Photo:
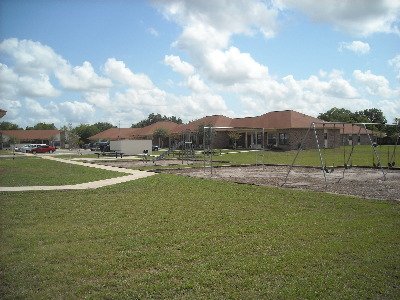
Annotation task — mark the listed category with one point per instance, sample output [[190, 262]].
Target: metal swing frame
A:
[[392, 159], [322, 159]]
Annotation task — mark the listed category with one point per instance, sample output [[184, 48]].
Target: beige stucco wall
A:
[[131, 147]]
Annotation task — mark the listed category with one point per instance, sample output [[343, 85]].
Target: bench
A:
[[112, 153]]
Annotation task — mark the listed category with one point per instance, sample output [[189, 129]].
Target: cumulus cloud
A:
[[232, 66], [361, 17], [34, 64], [31, 57], [376, 85], [36, 109], [395, 63], [37, 87], [227, 16], [179, 66], [357, 47], [117, 71], [207, 28], [76, 111], [81, 78], [390, 108], [197, 85]]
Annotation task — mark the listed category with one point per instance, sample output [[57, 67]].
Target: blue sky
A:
[[117, 61]]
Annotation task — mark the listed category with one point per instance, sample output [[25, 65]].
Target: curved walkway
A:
[[133, 174]]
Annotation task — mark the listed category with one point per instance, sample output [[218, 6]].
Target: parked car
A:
[[28, 148], [155, 148], [43, 149], [100, 146]]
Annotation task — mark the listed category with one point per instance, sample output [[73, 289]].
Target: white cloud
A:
[[179, 66], [207, 30], [35, 64], [36, 109], [376, 85], [197, 85], [117, 71], [8, 80], [152, 31], [81, 78], [395, 63], [37, 87], [31, 57], [357, 47], [390, 108], [12, 85], [362, 17], [225, 15], [232, 66], [76, 111]]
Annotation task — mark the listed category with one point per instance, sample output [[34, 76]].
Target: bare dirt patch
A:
[[361, 182]]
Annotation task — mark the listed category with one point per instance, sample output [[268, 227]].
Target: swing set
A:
[[347, 158]]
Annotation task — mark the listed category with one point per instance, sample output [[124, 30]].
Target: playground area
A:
[[365, 182], [362, 182]]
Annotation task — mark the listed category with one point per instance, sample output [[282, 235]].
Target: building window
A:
[[271, 139], [283, 139]]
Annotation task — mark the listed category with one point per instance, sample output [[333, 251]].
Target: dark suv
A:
[[100, 146]]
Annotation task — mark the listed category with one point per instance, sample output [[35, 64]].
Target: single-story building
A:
[[278, 129], [21, 137], [144, 133]]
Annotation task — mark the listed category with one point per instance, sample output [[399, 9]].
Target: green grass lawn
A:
[[176, 237], [362, 156], [27, 171]]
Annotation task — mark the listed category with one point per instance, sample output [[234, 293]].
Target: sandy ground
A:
[[361, 182]]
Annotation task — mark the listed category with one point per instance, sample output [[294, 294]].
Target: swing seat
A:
[[326, 170], [346, 166]]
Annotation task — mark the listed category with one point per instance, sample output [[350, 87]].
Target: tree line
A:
[[82, 132], [372, 115]]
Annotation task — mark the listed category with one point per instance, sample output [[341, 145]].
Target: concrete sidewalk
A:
[[133, 174]]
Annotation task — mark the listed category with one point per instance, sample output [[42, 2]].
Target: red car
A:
[[43, 149]]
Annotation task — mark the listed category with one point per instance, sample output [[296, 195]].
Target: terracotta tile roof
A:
[[133, 133], [274, 120], [149, 130], [216, 120], [115, 134], [27, 135]]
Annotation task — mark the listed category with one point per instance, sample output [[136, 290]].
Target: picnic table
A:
[[110, 153]]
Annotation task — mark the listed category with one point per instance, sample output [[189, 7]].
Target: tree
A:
[[154, 118], [71, 138], [161, 134], [102, 126], [373, 115], [337, 115], [9, 126], [42, 126], [234, 136], [84, 131]]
